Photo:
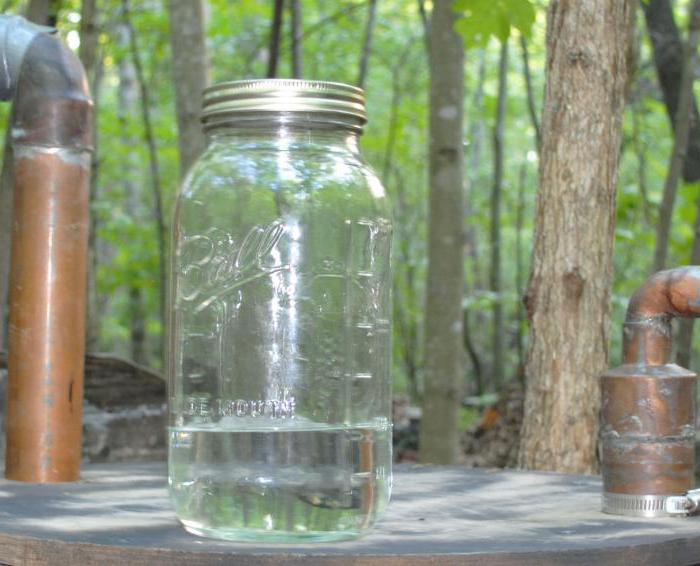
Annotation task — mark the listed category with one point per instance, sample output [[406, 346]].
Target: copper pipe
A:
[[52, 140], [674, 293], [648, 403]]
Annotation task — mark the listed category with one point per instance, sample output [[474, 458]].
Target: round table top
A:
[[120, 514]]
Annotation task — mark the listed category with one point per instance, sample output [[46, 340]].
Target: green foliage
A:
[[468, 416], [395, 143], [483, 19]]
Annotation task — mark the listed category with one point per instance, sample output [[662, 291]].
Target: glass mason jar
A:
[[280, 320]]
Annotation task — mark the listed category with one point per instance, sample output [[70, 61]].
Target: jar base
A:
[[262, 535]]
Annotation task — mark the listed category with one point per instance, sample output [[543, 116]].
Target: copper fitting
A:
[[52, 140], [648, 404]]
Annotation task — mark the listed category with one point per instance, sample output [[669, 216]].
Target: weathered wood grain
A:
[[119, 514]]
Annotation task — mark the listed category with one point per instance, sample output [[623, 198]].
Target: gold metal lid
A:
[[231, 99]]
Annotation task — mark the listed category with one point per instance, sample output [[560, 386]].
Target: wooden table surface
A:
[[119, 514]]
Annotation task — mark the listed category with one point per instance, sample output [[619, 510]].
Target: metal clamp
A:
[[652, 505]]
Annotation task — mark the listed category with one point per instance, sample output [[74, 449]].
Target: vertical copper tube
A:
[[51, 141], [47, 313]]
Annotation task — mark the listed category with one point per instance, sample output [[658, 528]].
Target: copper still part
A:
[[648, 405], [51, 141]]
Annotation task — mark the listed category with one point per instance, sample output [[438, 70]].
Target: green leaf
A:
[[521, 15], [483, 19]]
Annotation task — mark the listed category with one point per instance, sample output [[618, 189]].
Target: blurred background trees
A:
[[148, 60]]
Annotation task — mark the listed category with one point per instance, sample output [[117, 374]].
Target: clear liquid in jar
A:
[[294, 480]]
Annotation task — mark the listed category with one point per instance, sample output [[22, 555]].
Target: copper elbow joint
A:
[[648, 405]]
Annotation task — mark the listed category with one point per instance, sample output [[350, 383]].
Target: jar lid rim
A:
[[283, 95]]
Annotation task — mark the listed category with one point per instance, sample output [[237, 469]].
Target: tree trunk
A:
[[668, 59], [640, 149], [40, 12], [568, 299], [497, 365], [680, 142], [127, 104], [520, 271], [439, 435], [396, 95], [367, 45], [476, 142], [43, 12], [89, 38], [405, 299], [156, 185], [190, 75], [474, 281], [531, 104], [405, 296], [275, 36], [297, 38], [89, 43], [425, 20]]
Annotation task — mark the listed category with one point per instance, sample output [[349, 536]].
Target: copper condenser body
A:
[[648, 406]]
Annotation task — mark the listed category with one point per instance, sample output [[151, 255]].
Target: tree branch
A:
[[367, 45]]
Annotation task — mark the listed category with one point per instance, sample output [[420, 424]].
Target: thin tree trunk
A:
[[476, 142], [89, 43], [367, 45], [568, 299], [127, 101], [275, 36], [404, 303], [473, 353], [680, 142], [668, 60], [425, 20], [254, 53], [394, 112], [531, 104], [89, 38], [684, 340], [497, 365], [154, 165], [471, 240], [520, 271], [297, 41], [641, 147], [39, 12], [439, 435], [43, 12], [190, 75]]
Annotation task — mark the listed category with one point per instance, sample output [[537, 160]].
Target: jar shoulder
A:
[[312, 168]]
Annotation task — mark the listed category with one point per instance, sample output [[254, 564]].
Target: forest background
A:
[[130, 50]]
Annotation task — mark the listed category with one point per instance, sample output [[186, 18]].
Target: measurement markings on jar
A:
[[284, 408]]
